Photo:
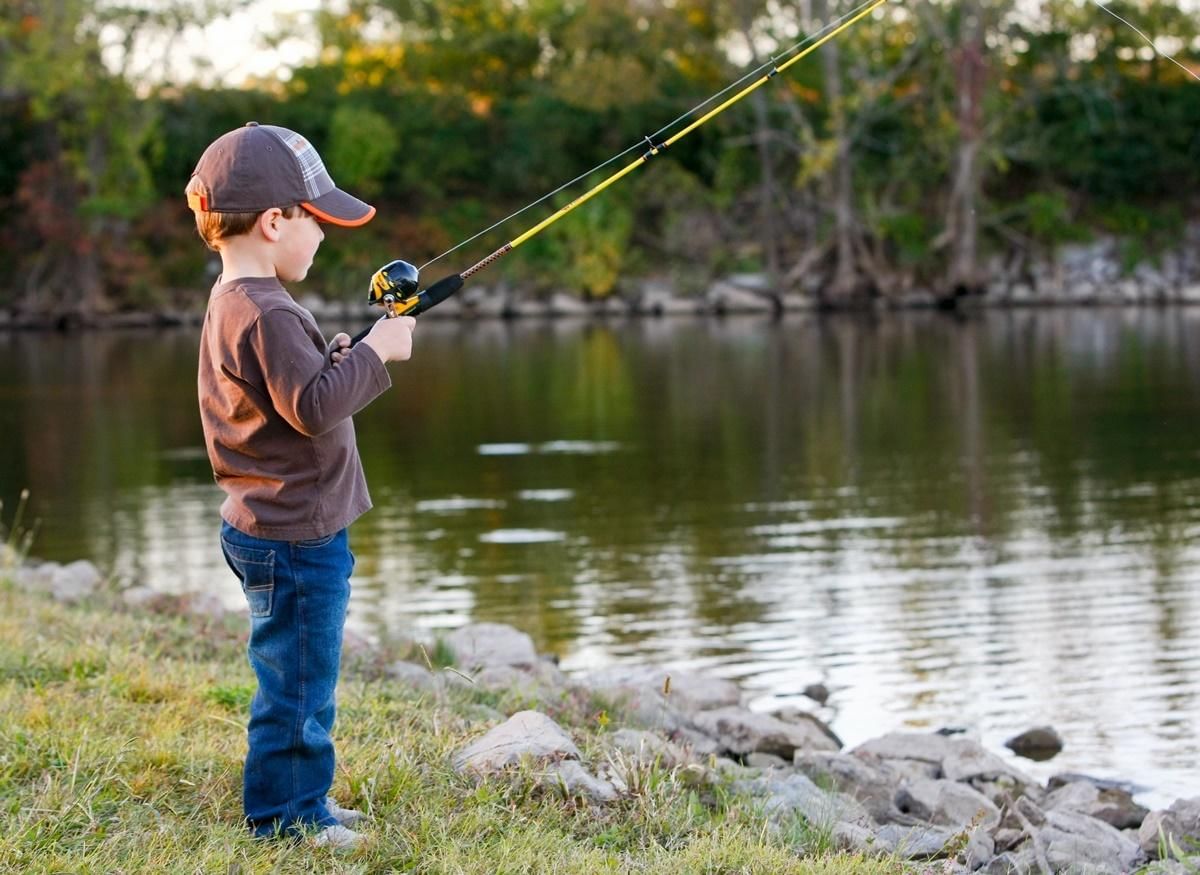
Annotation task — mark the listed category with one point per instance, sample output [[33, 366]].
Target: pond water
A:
[[989, 522]]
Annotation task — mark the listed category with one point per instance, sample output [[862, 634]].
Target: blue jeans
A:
[[298, 592]]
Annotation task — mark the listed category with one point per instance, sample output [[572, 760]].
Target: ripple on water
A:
[[522, 536]]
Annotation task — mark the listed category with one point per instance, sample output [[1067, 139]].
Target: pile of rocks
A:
[[919, 796]]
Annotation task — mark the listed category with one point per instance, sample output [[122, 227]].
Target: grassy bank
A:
[[121, 747]]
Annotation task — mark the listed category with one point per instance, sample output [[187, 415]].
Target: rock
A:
[[1190, 294], [203, 604], [648, 701], [527, 308], [868, 780], [1179, 825], [412, 675], [744, 732], [947, 803], [610, 305], [1114, 806], [527, 735], [648, 747], [766, 761], [562, 304], [726, 297], [819, 693], [1187, 866], [356, 646], [925, 748], [65, 583], [913, 843], [542, 682], [799, 717], [571, 779], [477, 645], [1023, 862], [690, 692], [140, 597], [790, 795], [657, 299], [968, 760], [1073, 841], [1039, 743]]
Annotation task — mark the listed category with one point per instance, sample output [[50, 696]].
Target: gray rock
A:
[[744, 732], [140, 597], [1039, 743], [541, 682], [790, 795], [928, 748], [1023, 862], [726, 297], [819, 693], [1178, 825], [968, 760], [527, 735], [1076, 840], [657, 299], [1112, 805], [74, 581], [562, 304], [65, 583], [477, 645], [649, 747], [913, 843], [947, 803], [799, 717], [571, 779], [204, 604], [869, 780], [766, 761], [685, 691], [412, 675]]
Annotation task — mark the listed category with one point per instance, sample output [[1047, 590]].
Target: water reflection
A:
[[986, 522]]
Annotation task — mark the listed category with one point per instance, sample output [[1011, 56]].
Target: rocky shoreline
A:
[[1086, 274], [919, 796]]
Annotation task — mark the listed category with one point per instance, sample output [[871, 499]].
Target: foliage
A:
[[449, 116]]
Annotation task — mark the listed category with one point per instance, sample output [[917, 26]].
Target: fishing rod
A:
[[395, 285]]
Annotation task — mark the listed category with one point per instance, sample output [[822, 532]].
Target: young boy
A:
[[276, 405]]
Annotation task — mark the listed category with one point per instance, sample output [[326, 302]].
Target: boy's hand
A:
[[339, 347], [392, 338]]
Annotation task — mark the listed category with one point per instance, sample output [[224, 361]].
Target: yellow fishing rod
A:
[[395, 286]]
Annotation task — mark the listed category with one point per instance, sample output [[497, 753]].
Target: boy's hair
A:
[[215, 227]]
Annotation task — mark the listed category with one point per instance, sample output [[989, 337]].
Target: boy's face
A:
[[297, 245]]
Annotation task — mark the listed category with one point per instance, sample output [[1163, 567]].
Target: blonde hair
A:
[[214, 227]]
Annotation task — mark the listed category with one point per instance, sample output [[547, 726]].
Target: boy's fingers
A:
[[341, 339]]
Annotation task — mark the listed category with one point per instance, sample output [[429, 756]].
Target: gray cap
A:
[[256, 167]]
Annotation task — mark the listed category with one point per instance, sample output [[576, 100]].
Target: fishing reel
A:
[[392, 286], [395, 288]]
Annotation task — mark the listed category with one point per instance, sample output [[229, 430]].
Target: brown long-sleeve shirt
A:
[[277, 413]]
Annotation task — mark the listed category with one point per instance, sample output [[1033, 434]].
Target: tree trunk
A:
[[962, 223], [846, 287]]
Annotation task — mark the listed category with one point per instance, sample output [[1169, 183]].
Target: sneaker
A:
[[338, 838], [344, 816]]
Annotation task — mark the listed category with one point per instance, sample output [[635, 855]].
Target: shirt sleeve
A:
[[309, 392]]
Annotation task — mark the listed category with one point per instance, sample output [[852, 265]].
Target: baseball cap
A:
[[256, 167]]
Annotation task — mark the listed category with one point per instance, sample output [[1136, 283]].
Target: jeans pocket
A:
[[255, 569], [317, 542]]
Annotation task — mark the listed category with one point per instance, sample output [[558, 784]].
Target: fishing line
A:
[[1157, 50], [773, 61]]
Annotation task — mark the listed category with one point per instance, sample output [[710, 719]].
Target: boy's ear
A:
[[270, 222]]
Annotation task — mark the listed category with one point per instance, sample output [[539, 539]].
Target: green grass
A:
[[121, 746]]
